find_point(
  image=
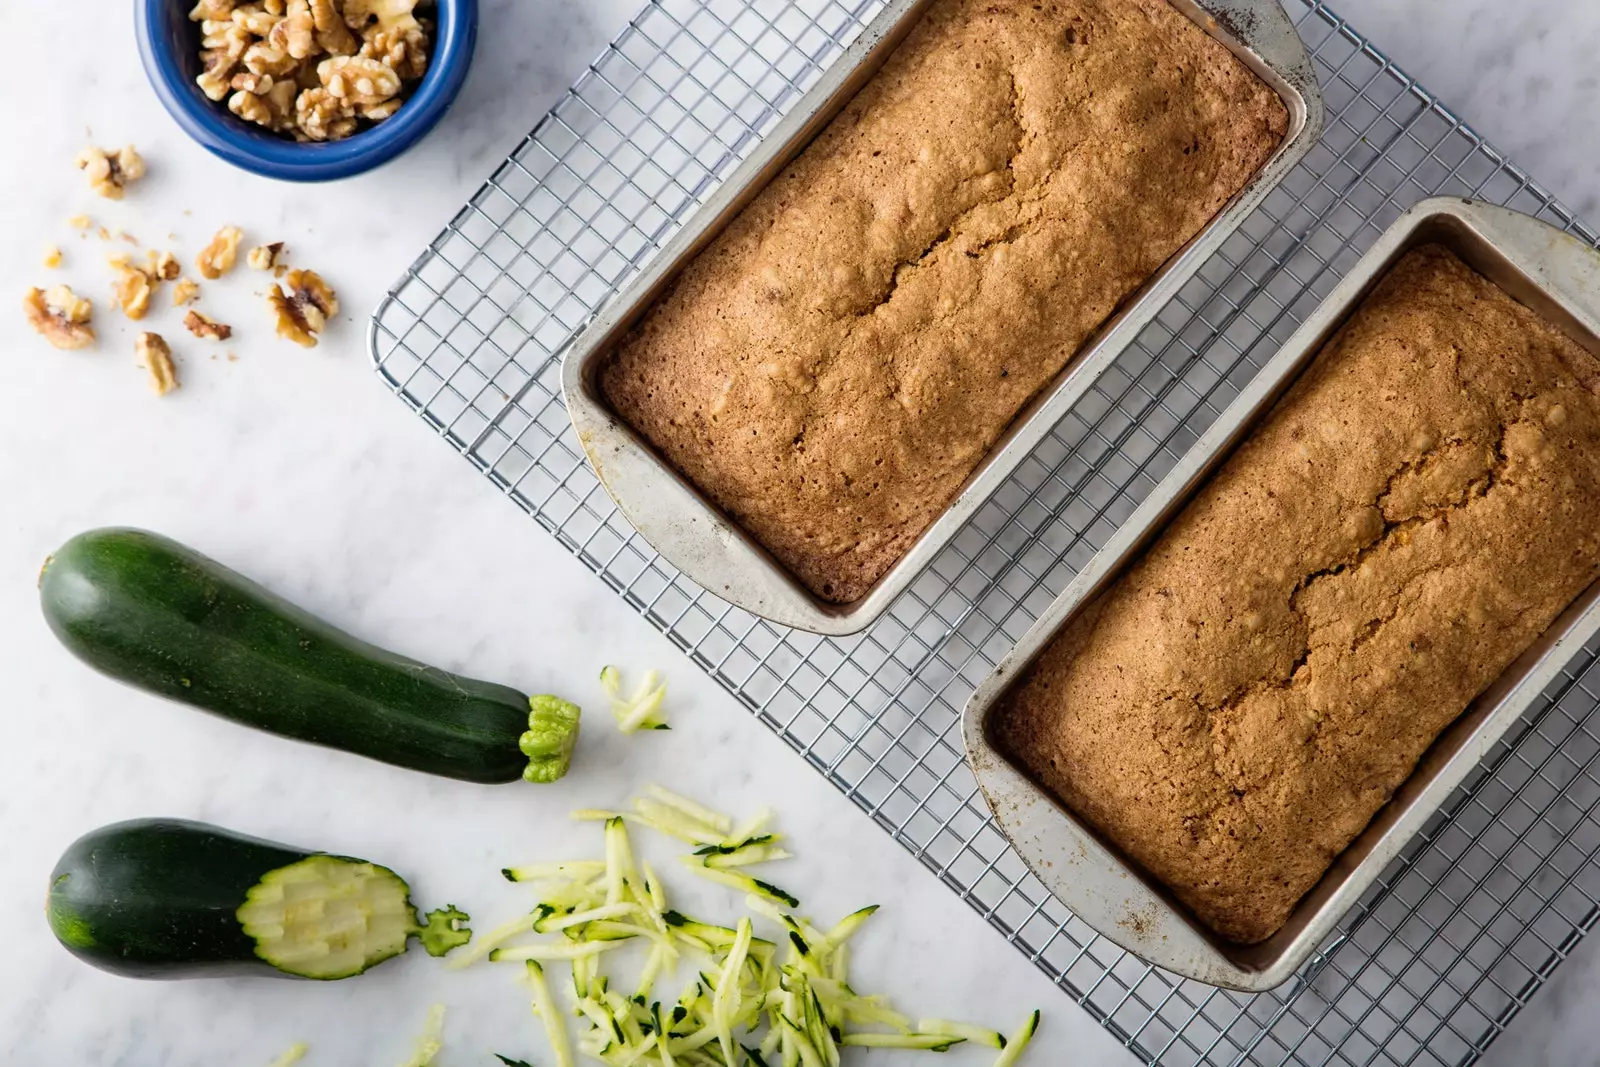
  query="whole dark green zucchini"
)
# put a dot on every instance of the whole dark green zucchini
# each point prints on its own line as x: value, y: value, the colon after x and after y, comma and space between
x: 166, y: 898
x: 150, y: 612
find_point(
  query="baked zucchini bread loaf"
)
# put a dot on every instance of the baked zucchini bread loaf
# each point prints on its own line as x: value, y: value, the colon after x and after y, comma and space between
x: 833, y: 367
x: 1413, y: 514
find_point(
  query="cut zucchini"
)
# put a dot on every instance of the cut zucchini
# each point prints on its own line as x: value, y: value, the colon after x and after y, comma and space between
x: 166, y: 898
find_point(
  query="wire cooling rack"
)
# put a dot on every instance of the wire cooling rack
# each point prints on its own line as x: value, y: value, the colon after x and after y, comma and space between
x: 1460, y: 932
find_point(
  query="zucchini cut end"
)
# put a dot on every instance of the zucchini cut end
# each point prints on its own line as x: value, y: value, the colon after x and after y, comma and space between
x: 551, y: 736
x: 327, y: 917
x: 71, y: 929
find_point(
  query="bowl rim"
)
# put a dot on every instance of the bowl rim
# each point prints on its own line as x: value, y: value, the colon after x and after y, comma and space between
x: 218, y: 131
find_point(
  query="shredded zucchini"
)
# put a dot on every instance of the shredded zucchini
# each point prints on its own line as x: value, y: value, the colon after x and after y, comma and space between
x: 1018, y: 1042
x: 742, y: 882
x: 430, y: 1041
x: 534, y: 872
x: 544, y: 1006
x: 976, y: 1034
x: 570, y: 951
x: 642, y: 710
x: 753, y: 1002
x: 291, y: 1055
x: 929, y: 1042
x: 492, y: 940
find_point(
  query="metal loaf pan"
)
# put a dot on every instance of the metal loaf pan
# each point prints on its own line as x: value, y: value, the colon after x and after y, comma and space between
x: 712, y: 550
x: 1548, y: 271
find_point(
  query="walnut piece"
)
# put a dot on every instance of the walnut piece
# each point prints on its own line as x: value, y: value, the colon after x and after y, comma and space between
x: 218, y: 257
x: 268, y: 257
x: 333, y: 35
x: 304, y: 310
x: 201, y: 326
x: 135, y: 283
x: 156, y: 356
x: 264, y: 100
x: 111, y: 172
x: 187, y: 291
x: 358, y: 81
x: 314, y: 70
x: 61, y: 316
x: 212, y: 10
x: 52, y: 257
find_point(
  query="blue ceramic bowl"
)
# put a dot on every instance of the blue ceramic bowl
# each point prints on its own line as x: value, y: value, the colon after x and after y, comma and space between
x: 170, y: 46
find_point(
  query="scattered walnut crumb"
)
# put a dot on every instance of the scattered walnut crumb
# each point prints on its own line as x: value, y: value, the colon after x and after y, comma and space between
x: 201, y: 326
x: 80, y: 222
x: 61, y: 316
x: 268, y: 257
x: 52, y: 257
x: 218, y: 257
x: 124, y: 236
x: 103, y: 233
x: 232, y: 358
x: 156, y: 356
x: 187, y: 291
x: 135, y: 284
x: 111, y: 172
x: 303, y: 311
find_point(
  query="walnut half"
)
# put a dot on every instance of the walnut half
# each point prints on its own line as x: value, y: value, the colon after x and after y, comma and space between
x: 304, y: 310
x: 61, y: 316
x: 156, y: 356
x: 111, y: 172
x: 218, y: 257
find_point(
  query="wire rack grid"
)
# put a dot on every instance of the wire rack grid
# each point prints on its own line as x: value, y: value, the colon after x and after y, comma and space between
x: 1460, y: 932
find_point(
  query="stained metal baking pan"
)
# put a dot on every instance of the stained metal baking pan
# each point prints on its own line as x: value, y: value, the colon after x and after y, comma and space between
x: 712, y: 550
x: 1549, y: 272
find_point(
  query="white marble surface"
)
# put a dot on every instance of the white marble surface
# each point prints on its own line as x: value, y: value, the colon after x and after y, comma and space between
x: 298, y: 467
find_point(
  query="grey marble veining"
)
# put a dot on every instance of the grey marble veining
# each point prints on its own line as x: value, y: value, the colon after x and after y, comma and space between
x: 300, y: 468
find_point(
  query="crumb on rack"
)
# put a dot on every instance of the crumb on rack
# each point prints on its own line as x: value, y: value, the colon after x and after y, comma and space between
x: 154, y: 353
x: 218, y: 257
x: 111, y: 172
x: 61, y: 316
x: 303, y: 309
x: 205, y: 327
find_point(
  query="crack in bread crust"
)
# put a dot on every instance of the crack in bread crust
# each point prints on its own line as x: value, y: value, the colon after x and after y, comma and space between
x: 1416, y: 510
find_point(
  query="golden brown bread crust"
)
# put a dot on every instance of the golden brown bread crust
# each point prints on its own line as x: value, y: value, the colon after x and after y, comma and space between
x: 834, y: 366
x: 1414, y: 513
